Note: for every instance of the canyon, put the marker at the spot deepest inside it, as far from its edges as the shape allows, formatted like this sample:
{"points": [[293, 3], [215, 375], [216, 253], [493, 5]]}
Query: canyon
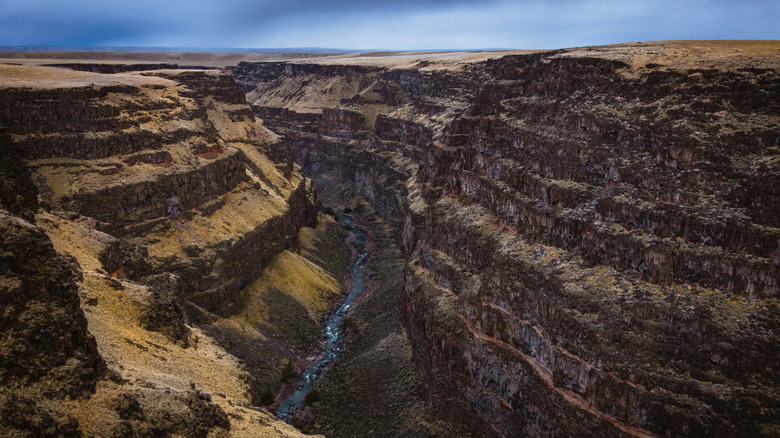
{"points": [[577, 242]]}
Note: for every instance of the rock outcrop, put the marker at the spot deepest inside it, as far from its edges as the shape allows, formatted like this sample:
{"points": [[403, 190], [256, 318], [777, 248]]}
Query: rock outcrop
{"points": [[163, 152], [591, 236], [137, 208], [47, 351]]}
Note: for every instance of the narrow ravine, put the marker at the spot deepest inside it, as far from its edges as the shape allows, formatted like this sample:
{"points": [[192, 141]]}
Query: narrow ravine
{"points": [[333, 330]]}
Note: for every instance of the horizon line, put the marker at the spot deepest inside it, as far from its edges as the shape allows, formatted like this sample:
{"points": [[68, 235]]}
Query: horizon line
{"points": [[168, 49]]}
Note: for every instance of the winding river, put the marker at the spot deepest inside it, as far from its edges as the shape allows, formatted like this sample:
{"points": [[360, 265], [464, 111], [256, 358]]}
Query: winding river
{"points": [[333, 344]]}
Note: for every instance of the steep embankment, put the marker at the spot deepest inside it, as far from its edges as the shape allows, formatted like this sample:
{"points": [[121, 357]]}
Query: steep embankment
{"points": [[374, 388], [591, 236], [169, 223]]}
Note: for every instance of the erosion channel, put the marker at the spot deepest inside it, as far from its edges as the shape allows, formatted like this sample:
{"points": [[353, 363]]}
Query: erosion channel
{"points": [[333, 330]]}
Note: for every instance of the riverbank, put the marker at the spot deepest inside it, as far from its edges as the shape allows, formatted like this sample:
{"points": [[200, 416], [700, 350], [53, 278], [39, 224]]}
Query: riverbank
{"points": [[333, 329], [374, 388], [284, 309]]}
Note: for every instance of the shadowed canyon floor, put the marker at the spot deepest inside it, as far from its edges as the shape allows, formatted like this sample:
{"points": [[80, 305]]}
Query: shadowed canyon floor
{"points": [[579, 242]]}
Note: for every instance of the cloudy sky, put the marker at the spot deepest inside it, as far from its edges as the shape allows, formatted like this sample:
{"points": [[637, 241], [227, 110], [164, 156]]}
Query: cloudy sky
{"points": [[380, 24]]}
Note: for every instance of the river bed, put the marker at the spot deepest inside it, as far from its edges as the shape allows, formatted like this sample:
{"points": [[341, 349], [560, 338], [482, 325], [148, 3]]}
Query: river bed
{"points": [[333, 330]]}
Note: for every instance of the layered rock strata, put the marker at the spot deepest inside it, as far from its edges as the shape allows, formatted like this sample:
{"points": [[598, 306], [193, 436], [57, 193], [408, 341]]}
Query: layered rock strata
{"points": [[591, 235], [136, 210]]}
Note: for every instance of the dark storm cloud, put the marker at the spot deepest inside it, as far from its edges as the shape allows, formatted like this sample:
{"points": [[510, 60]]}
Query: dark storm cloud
{"points": [[105, 22], [396, 24]]}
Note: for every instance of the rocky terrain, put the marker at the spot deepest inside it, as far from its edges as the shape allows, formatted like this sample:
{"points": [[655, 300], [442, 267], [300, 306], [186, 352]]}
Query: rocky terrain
{"points": [[146, 231], [375, 388], [590, 235], [580, 242]]}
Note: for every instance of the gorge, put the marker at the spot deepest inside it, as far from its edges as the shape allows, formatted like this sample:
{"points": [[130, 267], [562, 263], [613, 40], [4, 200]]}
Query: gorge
{"points": [[579, 242]]}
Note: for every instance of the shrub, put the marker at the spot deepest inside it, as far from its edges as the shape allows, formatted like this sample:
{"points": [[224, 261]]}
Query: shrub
{"points": [[267, 398], [300, 425], [348, 321], [288, 371], [312, 397]]}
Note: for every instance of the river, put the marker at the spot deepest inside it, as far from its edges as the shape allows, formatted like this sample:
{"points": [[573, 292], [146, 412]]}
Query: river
{"points": [[333, 331]]}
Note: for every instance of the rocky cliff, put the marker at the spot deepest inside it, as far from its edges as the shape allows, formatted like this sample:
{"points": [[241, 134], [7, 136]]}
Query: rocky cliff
{"points": [[140, 214], [591, 235]]}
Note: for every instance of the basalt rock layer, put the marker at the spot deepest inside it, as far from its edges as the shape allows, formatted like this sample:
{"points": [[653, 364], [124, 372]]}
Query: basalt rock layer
{"points": [[137, 208], [591, 236], [166, 153]]}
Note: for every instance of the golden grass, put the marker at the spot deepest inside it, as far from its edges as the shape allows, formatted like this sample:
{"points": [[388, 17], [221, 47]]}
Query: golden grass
{"points": [[270, 173], [75, 238], [65, 176], [96, 415], [295, 276], [150, 360], [307, 94], [36, 77], [244, 210], [165, 112], [115, 322], [683, 55], [307, 236]]}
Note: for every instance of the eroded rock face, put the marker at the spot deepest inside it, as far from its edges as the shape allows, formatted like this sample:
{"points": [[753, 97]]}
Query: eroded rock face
{"points": [[45, 343], [591, 238], [47, 352], [144, 154], [156, 191]]}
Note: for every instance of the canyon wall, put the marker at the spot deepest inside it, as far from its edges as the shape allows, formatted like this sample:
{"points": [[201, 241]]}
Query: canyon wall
{"points": [[591, 235], [137, 210]]}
